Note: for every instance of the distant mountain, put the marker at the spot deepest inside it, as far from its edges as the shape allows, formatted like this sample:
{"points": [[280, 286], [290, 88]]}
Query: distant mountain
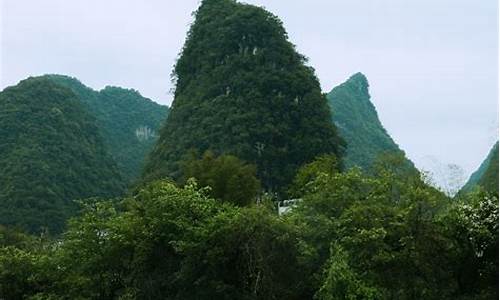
{"points": [[51, 153], [357, 121], [242, 89], [129, 122], [487, 174]]}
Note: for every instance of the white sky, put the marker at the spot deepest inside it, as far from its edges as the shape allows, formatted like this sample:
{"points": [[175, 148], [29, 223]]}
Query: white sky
{"points": [[432, 64]]}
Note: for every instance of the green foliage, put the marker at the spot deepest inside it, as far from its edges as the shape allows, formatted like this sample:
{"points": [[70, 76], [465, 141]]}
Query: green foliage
{"points": [[324, 164], [51, 154], [489, 180], [243, 90], [129, 123], [472, 227], [342, 282], [359, 125], [378, 237], [163, 242], [229, 178], [490, 164]]}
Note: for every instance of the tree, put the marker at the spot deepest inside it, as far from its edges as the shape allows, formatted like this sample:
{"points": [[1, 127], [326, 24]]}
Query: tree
{"points": [[229, 178], [324, 164]]}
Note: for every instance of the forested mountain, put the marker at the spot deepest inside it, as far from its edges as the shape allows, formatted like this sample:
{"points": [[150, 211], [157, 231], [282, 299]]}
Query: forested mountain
{"points": [[243, 90], [487, 174], [51, 153], [129, 122], [357, 121]]}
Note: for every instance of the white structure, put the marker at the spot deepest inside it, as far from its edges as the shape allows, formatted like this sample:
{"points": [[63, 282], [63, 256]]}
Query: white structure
{"points": [[286, 205]]}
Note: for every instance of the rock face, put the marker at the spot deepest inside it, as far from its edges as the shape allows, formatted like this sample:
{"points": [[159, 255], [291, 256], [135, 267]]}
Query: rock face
{"points": [[242, 89], [128, 121], [359, 125], [51, 154], [144, 133]]}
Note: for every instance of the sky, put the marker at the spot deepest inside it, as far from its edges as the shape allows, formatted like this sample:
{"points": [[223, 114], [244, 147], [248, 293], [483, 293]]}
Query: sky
{"points": [[432, 64]]}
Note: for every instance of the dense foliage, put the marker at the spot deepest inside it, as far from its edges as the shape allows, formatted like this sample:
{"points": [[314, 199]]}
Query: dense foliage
{"points": [[129, 123], [489, 180], [51, 154], [229, 178], [352, 236], [477, 176], [359, 125], [246, 100], [166, 242], [242, 89], [486, 176]]}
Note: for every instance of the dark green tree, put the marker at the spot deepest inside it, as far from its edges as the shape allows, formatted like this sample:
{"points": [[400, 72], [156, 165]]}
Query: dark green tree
{"points": [[229, 178]]}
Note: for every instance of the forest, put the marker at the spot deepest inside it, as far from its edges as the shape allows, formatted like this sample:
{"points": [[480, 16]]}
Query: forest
{"points": [[108, 195]]}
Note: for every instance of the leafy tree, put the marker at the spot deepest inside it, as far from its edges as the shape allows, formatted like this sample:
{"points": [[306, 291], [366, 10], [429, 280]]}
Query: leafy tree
{"points": [[324, 164], [229, 178], [393, 242], [243, 90], [342, 282], [163, 242], [472, 227]]}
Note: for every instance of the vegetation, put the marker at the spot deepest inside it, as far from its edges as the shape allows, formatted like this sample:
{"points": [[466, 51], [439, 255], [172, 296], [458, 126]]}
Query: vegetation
{"points": [[229, 178], [353, 236], [243, 90], [129, 123], [359, 125], [248, 115], [51, 154], [487, 174]]}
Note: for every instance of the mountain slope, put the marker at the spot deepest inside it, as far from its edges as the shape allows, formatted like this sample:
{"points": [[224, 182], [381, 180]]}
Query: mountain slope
{"points": [[51, 153], [359, 125], [487, 173], [128, 121], [242, 89]]}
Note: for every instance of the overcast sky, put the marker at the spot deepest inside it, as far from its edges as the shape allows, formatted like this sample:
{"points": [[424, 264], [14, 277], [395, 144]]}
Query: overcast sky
{"points": [[432, 64]]}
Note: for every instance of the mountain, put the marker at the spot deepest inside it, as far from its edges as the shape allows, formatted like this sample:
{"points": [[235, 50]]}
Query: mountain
{"points": [[128, 121], [242, 89], [487, 174], [51, 153], [357, 120]]}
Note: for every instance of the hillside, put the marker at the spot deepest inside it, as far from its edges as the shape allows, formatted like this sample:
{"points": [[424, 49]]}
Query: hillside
{"points": [[485, 173], [242, 89], [51, 153], [357, 120], [129, 122]]}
